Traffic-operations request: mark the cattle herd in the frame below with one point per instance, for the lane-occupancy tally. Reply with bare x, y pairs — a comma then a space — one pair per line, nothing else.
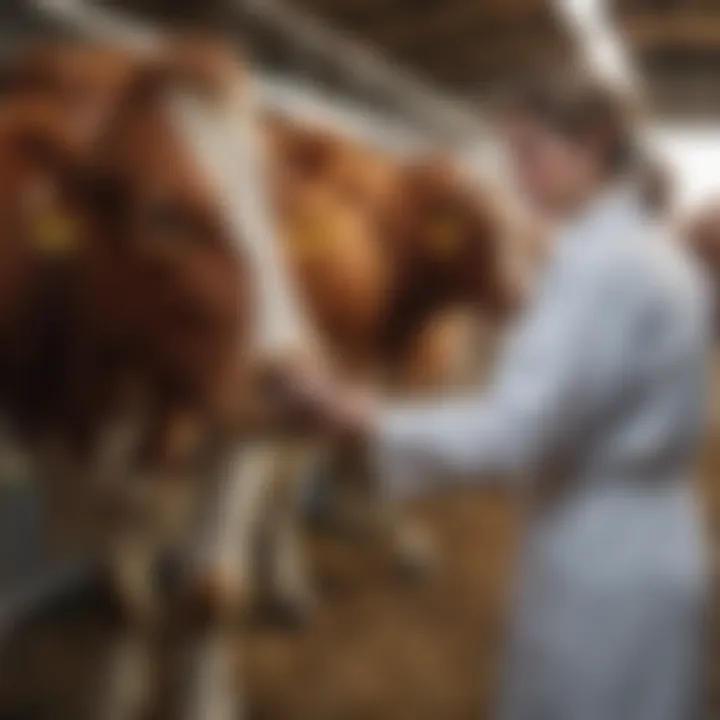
167, 248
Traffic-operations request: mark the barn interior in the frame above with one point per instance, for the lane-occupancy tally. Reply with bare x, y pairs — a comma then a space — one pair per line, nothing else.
401, 76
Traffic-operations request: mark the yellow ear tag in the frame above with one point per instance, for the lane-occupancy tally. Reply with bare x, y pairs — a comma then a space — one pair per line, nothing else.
55, 233
442, 236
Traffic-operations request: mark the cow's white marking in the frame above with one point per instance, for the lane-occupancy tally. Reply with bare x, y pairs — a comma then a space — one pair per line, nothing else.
99, 23
128, 677
212, 689
228, 148
233, 510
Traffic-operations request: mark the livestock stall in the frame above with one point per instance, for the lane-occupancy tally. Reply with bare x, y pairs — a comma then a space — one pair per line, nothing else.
378, 648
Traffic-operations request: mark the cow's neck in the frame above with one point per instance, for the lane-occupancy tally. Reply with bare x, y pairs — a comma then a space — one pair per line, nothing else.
228, 149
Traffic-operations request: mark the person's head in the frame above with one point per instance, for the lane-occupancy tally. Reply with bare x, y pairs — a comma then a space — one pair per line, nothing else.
569, 136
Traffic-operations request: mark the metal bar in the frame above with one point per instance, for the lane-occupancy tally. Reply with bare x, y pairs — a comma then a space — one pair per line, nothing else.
98, 23
444, 117
601, 47
305, 102
112, 26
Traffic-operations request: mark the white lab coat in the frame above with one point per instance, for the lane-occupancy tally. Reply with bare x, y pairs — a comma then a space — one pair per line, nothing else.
603, 387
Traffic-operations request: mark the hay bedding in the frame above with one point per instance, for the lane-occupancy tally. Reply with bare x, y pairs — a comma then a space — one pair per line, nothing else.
378, 649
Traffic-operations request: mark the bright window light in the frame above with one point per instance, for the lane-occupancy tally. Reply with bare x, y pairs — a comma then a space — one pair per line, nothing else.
693, 155
603, 50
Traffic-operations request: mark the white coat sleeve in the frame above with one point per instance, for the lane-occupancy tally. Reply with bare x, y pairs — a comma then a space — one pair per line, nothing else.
536, 401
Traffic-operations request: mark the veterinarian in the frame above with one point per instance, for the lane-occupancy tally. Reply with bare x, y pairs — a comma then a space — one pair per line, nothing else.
596, 411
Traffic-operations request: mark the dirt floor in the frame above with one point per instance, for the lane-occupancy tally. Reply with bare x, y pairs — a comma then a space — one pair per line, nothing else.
379, 649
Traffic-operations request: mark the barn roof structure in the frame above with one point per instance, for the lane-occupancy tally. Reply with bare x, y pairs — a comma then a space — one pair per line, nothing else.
464, 46
676, 46
439, 63
467, 48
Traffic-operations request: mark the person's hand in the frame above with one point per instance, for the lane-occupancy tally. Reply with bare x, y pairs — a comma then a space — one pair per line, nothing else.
315, 398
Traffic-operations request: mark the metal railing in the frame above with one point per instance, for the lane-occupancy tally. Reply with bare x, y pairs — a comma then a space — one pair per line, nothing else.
372, 81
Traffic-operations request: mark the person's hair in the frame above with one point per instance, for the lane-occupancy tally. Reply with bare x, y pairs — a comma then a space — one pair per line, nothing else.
586, 109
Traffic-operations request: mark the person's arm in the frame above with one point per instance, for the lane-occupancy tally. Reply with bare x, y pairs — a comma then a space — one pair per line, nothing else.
541, 394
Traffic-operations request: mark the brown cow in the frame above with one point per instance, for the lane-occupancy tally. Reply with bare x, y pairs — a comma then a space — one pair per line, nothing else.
386, 252
419, 237
380, 248
61, 77
124, 336
416, 237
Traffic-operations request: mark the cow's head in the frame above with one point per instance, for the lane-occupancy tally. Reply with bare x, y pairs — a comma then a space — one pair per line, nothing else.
453, 237
166, 268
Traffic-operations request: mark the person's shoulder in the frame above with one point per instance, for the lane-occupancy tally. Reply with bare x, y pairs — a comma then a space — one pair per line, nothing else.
671, 267
607, 265
651, 265
659, 273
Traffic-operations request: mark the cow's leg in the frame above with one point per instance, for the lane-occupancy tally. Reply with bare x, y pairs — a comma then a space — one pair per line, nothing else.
318, 494
436, 360
134, 516
288, 577
127, 673
211, 691
412, 547
219, 582
363, 513
127, 510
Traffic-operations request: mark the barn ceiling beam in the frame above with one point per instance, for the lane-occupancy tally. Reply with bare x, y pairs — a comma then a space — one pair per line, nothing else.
692, 66
676, 99
601, 47
375, 12
677, 29
98, 23
527, 49
468, 21
466, 62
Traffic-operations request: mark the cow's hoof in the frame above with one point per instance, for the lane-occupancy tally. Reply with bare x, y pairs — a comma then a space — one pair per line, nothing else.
415, 556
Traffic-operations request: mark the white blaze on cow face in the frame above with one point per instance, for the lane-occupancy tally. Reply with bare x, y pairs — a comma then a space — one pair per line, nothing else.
228, 148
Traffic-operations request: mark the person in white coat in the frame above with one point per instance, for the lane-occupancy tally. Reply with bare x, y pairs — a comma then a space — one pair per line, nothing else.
597, 409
